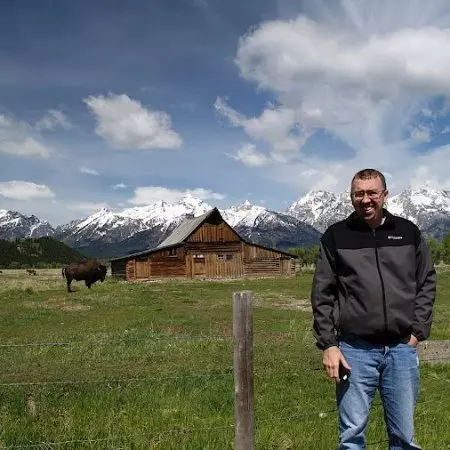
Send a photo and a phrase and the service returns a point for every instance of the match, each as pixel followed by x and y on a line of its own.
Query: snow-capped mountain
pixel 428 208
pixel 107 227
pixel 321 208
pixel 269 228
pixel 108 233
pixel 16 225
pixel 421 206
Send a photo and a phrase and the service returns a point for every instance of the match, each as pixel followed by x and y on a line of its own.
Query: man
pixel 372 296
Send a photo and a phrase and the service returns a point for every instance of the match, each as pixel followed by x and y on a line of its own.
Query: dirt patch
pixel 174 330
pixel 302 305
pixel 59 305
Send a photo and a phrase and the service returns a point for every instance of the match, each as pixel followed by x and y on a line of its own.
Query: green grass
pixel 150 366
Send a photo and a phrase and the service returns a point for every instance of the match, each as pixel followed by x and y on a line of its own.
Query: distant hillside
pixel 37 252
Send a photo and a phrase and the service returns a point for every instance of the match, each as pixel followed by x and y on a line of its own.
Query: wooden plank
pixel 434 352
pixel 243 370
pixel 210 232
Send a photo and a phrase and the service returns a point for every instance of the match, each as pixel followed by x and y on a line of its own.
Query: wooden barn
pixel 204 247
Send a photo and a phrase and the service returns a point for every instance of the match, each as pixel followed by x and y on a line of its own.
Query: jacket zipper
pixel 382 282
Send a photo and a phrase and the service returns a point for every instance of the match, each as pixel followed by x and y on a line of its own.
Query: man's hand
pixel 332 356
pixel 413 341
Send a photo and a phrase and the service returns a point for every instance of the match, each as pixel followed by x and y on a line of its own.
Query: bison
pixel 31 272
pixel 89 271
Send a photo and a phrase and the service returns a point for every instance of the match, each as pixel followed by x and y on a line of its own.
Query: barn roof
pixel 185 229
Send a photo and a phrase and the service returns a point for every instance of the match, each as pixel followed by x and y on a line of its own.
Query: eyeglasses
pixel 359 195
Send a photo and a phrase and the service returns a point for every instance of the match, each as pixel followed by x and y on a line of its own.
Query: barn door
pixel 198 266
pixel 142 269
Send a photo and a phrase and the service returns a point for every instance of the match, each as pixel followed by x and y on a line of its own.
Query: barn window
pixel 221 257
pixel 173 252
pixel 199 257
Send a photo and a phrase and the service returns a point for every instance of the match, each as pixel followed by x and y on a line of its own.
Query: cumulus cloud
pixel 125 124
pixel 287 56
pixel 278 126
pixel 88 171
pixel 53 119
pixel 248 155
pixel 363 75
pixel 17 138
pixel 145 195
pixel 25 190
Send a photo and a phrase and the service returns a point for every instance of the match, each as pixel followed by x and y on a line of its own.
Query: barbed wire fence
pixel 242 372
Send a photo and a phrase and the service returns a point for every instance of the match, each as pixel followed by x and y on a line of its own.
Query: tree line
pixel 439 251
pixel 38 253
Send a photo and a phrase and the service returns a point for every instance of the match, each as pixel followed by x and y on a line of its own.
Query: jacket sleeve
pixel 324 296
pixel 426 291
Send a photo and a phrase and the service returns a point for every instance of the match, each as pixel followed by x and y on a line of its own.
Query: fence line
pixel 130 339
pixel 175 377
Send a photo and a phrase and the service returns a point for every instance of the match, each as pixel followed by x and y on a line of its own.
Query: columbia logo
pixel 395 237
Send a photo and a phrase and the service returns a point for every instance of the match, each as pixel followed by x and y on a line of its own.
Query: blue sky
pixel 120 104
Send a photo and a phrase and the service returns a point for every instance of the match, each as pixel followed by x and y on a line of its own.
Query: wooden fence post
pixel 243 370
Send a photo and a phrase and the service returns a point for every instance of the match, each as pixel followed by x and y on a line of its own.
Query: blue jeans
pixel 394 370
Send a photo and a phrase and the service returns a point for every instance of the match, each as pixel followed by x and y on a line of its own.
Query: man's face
pixel 368 197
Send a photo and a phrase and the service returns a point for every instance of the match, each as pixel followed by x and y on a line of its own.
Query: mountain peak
pixel 16 225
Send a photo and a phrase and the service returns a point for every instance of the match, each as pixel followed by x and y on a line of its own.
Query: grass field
pixel 150 366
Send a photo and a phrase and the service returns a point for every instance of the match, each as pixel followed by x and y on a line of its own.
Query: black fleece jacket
pixel 377 284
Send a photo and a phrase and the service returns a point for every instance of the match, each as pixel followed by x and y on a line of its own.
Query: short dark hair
pixel 369 174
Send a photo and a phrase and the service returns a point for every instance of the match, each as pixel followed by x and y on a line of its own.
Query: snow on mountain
pixel 321 208
pixel 108 232
pixel 421 206
pixel 428 208
pixel 245 214
pixel 16 225
pixel 269 228
pixel 110 227
pixel 163 213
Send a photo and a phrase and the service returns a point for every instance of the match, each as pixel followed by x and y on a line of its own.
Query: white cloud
pixel 53 119
pixel 119 186
pixel 249 156
pixel 24 190
pixel 88 171
pixel 17 138
pixel 125 124
pixel 26 147
pixel 151 194
pixel 287 56
pixel 446 130
pixel 278 126
pixel 364 76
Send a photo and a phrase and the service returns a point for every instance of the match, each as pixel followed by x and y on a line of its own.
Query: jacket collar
pixel 356 222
